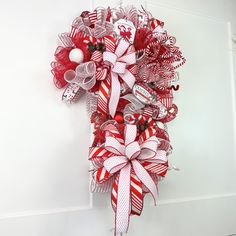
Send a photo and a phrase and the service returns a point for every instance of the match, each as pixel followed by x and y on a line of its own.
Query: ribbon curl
pixel 83 75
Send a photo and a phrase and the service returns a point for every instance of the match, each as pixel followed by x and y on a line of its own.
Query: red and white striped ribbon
pixel 119 60
pixel 103 95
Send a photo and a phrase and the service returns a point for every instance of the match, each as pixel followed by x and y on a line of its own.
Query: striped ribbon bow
pixel 133 164
pixel 122 62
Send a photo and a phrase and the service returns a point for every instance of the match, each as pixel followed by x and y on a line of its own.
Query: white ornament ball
pixel 76 55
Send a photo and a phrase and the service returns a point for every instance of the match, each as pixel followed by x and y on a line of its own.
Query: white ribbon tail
pixel 129 78
pixel 123 201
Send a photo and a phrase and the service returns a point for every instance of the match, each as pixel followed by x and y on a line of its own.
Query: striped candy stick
pixel 112 131
pixel 146 134
pixel 155 23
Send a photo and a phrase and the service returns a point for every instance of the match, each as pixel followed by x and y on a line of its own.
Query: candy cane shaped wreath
pixel 125 62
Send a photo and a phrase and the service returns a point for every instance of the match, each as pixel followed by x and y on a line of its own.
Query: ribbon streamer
pixel 119 60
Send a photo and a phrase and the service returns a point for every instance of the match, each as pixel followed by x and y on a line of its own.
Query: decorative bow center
pixel 116 65
pixel 132 150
